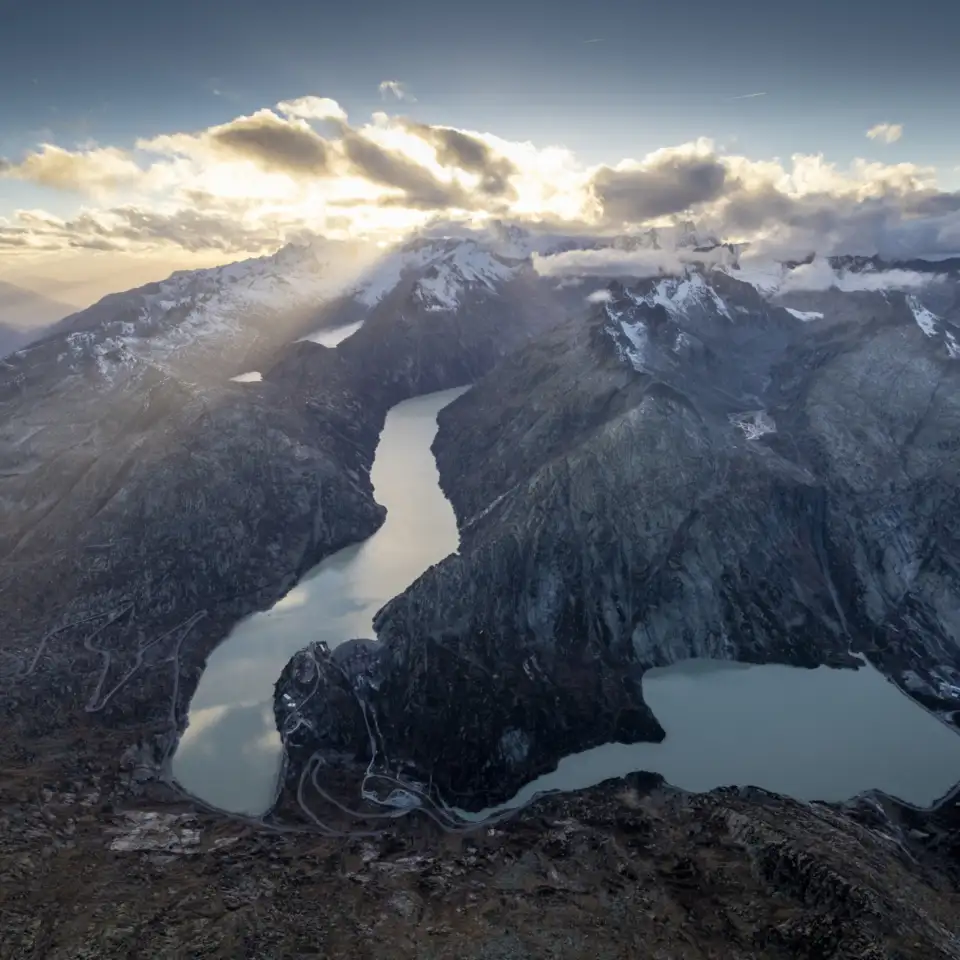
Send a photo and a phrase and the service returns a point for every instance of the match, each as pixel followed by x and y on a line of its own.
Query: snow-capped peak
pixel 467 265
pixel 683 298
pixel 219 308
pixel 678 294
pixel 447 266
pixel 934 326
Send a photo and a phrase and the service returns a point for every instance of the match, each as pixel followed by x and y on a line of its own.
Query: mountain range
pixel 670 449
pixel 26 315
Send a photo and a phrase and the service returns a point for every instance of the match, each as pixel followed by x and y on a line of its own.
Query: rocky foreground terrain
pixel 98 861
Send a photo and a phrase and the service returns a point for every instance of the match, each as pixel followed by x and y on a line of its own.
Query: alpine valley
pixel 669 449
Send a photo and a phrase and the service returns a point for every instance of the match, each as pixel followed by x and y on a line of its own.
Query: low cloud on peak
pixel 819 274
pixel 641 263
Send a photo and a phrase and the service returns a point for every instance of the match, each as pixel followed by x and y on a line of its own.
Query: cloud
pixel 312 108
pixel 132 228
pixel 365 158
pixel 887 132
pixel 895 221
pixel 820 275
pixel 455 148
pixel 396 90
pixel 611 262
pixel 747 96
pixel 271 142
pixel 247 184
pixel 669 181
pixel 419 187
pixel 96 171
pixel 599 296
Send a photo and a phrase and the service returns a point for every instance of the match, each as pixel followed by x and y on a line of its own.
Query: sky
pixel 565 96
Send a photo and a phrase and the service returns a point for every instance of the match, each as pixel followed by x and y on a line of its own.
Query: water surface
pixel 230 753
pixel 824 734
pixel 331 336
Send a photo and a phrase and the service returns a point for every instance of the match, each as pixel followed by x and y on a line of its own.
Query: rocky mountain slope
pixel 689 470
pixel 149 502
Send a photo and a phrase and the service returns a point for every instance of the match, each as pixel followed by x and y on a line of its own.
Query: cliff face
pixel 689 471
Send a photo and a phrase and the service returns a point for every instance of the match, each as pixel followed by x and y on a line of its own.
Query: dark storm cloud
pixel 672 185
pixel 273 143
pixel 421 190
pixel 933 204
pixel 457 149
pixel 893 225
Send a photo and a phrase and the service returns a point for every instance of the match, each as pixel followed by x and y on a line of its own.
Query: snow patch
pixel 148 830
pixel 805 315
pixel 754 423
pixel 636 335
pixel 678 295
pixel 386 274
pixel 330 337
pixel 926 320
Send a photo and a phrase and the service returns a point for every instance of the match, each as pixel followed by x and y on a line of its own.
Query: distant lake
pixel 328 337
pixel 331 336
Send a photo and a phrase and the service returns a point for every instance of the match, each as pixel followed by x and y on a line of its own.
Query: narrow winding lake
pixel 230 753
pixel 812 734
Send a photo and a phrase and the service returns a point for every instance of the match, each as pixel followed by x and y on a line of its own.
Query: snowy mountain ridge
pixel 211 318
pixel 225 307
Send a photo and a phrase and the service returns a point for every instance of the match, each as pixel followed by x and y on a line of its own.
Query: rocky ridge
pixel 149 502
